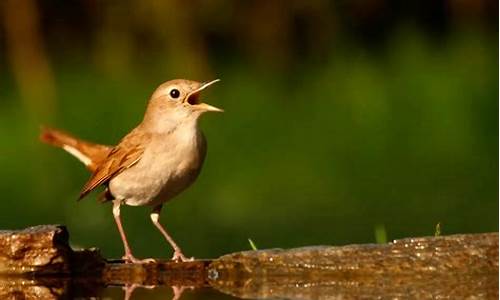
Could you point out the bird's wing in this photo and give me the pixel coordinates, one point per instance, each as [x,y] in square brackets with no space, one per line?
[127,153]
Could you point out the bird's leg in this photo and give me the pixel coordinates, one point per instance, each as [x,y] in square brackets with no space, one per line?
[128,257]
[155,217]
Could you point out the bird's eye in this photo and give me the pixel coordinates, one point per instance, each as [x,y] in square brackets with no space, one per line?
[174,93]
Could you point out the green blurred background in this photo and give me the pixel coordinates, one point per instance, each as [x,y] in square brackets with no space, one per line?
[343,118]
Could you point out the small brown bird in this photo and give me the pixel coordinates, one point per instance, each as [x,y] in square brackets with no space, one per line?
[157,160]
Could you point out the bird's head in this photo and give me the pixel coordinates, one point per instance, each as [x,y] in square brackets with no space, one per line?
[177,101]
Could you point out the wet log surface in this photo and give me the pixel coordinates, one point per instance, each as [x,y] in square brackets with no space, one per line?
[40,248]
[44,250]
[456,267]
[38,262]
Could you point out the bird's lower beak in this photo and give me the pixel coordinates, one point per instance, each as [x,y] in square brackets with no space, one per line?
[193,98]
[208,107]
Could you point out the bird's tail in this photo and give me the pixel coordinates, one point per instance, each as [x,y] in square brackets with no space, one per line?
[89,154]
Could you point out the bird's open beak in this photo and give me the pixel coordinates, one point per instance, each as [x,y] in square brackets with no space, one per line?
[194,100]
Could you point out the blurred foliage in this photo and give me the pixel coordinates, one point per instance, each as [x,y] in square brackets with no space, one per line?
[341,117]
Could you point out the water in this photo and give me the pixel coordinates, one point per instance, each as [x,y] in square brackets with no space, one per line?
[480,287]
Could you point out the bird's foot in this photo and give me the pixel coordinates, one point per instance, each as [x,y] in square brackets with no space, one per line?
[179,257]
[129,258]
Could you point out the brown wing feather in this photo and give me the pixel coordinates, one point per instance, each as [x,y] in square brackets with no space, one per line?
[127,153]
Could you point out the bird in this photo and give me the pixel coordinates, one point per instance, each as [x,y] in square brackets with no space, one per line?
[157,160]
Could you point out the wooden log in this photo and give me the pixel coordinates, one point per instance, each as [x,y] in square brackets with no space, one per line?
[162,272]
[44,250]
[34,249]
[38,261]
[456,267]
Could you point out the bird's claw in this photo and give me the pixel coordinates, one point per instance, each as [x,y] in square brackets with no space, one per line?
[132,260]
[179,257]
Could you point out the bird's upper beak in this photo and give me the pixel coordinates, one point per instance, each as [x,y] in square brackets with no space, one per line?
[194,100]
